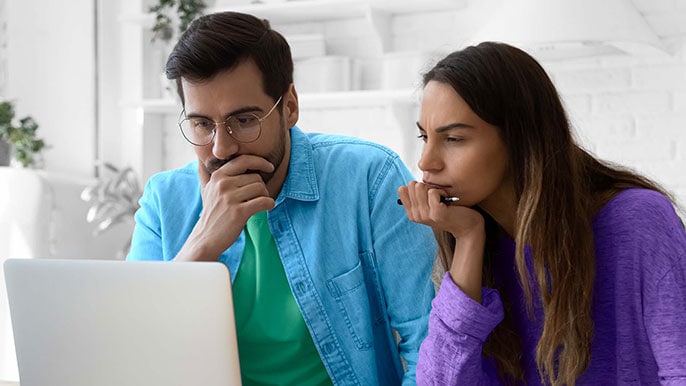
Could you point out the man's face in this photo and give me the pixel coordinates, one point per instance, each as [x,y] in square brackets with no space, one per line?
[235,91]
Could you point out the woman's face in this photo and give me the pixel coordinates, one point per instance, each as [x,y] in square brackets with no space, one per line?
[463,155]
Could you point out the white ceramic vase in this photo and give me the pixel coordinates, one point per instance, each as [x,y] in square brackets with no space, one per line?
[5,153]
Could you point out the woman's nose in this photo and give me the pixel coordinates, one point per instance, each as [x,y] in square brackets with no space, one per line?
[430,159]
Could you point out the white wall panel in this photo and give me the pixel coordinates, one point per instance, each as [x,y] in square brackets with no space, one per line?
[51,76]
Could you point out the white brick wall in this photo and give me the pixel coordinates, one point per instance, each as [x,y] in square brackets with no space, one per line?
[679,100]
[627,110]
[631,100]
[666,76]
[637,113]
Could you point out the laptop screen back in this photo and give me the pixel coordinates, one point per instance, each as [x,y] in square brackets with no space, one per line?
[83,322]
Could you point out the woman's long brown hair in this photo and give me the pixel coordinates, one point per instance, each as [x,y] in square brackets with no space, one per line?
[558,186]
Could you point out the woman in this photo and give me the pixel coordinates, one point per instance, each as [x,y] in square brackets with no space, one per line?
[561,269]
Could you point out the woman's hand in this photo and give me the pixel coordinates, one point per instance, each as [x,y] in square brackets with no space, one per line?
[423,205]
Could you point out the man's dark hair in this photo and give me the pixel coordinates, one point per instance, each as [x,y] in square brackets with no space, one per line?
[217,42]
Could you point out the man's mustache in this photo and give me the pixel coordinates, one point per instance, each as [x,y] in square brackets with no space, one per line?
[216,163]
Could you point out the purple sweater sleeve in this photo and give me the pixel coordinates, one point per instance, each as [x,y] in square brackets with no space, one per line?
[664,296]
[665,315]
[458,326]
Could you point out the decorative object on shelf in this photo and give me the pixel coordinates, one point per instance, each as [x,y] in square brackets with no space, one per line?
[174,14]
[305,46]
[19,137]
[5,153]
[323,74]
[114,200]
[402,69]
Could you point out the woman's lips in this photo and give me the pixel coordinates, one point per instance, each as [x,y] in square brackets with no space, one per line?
[436,186]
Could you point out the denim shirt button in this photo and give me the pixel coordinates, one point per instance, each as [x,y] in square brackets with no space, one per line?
[328,348]
[300,288]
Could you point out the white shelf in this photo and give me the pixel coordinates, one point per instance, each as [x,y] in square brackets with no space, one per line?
[362,98]
[146,20]
[295,11]
[307,10]
[326,100]
[160,106]
[377,12]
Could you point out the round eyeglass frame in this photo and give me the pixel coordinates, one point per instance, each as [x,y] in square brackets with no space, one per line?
[227,127]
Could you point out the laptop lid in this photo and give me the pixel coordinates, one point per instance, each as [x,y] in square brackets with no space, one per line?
[95,322]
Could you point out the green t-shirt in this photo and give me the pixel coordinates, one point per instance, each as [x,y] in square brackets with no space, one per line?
[274,345]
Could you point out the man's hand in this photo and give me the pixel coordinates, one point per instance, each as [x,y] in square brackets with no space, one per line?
[230,195]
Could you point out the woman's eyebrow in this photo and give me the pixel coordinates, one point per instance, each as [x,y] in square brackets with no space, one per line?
[440,129]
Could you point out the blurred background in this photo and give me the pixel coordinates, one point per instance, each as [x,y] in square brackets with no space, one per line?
[90,75]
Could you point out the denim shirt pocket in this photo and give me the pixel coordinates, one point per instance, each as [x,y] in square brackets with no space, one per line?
[350,293]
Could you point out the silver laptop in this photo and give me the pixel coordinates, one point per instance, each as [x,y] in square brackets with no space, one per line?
[102,323]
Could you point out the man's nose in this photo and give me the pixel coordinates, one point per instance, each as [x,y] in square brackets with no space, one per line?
[224,145]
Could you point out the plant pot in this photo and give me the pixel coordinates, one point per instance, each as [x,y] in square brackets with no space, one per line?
[5,153]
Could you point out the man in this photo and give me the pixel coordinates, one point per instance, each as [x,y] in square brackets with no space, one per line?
[325,265]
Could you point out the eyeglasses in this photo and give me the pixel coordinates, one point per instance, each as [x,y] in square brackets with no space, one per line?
[244,127]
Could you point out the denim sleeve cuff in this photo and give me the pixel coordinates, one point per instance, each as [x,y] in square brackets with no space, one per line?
[462,314]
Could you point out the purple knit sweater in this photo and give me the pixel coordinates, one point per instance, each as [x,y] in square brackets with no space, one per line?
[639,306]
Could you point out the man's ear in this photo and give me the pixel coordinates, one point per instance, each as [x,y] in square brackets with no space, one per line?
[291,111]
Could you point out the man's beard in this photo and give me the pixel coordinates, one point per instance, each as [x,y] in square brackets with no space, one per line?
[275,157]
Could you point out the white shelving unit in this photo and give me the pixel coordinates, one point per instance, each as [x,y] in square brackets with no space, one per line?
[324,100]
[144,110]
[376,12]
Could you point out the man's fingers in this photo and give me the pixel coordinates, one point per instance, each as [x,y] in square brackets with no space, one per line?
[203,173]
[239,181]
[250,191]
[245,163]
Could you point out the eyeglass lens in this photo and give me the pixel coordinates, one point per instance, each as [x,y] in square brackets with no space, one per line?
[242,127]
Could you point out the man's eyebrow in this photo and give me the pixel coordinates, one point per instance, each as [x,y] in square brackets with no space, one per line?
[246,109]
[451,126]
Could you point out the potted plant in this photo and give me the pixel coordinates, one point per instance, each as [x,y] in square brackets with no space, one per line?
[171,12]
[114,200]
[172,17]
[21,136]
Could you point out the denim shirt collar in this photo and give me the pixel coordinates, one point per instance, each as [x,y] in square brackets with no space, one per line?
[301,181]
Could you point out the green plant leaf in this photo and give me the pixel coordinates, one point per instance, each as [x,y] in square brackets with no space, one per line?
[22,136]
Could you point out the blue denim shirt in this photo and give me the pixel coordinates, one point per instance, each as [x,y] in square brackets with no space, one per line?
[358,268]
